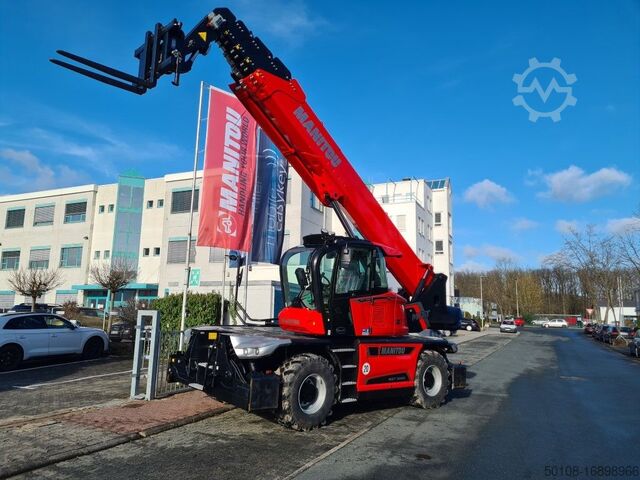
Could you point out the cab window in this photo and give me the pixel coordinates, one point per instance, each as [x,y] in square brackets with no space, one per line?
[354,271]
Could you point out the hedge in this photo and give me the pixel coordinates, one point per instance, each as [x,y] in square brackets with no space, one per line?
[202,309]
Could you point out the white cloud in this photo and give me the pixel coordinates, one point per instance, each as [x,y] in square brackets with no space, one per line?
[575,185]
[567,226]
[493,252]
[290,20]
[522,224]
[623,225]
[487,193]
[24,171]
[472,266]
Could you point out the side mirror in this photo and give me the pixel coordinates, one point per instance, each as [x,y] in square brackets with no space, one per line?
[301,277]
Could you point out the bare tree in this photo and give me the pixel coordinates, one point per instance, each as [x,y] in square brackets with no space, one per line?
[34,282]
[113,276]
[629,246]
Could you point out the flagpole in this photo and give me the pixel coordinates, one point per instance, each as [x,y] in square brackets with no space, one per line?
[187,269]
[247,266]
[224,281]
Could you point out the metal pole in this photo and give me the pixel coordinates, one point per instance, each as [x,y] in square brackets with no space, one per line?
[224,280]
[620,300]
[187,270]
[247,267]
[481,304]
[517,303]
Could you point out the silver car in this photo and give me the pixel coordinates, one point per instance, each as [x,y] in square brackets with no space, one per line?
[28,335]
[508,326]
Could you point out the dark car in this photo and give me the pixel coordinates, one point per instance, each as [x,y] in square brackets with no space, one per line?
[121,331]
[40,307]
[602,331]
[588,328]
[610,335]
[469,324]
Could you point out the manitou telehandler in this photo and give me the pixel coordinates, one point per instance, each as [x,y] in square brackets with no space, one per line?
[342,335]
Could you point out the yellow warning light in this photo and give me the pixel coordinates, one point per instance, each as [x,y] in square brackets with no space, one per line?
[213,335]
[203,36]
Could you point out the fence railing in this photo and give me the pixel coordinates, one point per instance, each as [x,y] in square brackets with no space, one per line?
[151,358]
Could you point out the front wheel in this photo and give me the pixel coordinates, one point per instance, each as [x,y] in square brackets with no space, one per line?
[431,381]
[308,391]
[469,328]
[93,348]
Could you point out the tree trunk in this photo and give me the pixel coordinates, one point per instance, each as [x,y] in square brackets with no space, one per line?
[33,303]
[113,297]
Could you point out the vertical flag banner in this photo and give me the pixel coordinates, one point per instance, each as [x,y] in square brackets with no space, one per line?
[271,202]
[229,172]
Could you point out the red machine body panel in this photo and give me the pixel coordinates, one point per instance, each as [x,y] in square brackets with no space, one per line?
[301,320]
[379,315]
[385,365]
[279,106]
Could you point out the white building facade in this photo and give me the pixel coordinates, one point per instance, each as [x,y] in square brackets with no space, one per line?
[146,222]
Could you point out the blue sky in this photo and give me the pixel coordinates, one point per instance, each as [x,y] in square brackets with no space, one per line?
[420,88]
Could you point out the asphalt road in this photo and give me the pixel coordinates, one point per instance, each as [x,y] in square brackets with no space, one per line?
[43,388]
[541,399]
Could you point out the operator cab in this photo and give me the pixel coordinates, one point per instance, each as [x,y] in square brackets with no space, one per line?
[338,286]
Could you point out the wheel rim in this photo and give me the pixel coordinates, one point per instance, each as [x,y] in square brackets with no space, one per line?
[312,394]
[469,328]
[8,358]
[432,380]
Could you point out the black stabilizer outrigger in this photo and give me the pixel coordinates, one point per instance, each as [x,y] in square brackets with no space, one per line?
[167,50]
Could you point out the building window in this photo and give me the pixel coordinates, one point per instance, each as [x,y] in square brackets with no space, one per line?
[101,209]
[75,212]
[437,218]
[439,247]
[149,203]
[216,255]
[96,255]
[145,252]
[111,207]
[39,258]
[10,260]
[315,203]
[43,215]
[70,257]
[177,251]
[160,202]
[181,201]
[15,218]
[107,254]
[401,222]
[156,252]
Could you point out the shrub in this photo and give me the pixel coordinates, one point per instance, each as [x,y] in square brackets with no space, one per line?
[71,310]
[202,309]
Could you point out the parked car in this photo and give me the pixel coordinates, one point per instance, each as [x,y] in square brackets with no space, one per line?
[29,335]
[610,334]
[519,322]
[556,323]
[633,333]
[634,346]
[508,326]
[469,324]
[539,321]
[625,332]
[596,330]
[602,331]
[121,331]
[588,328]
[40,307]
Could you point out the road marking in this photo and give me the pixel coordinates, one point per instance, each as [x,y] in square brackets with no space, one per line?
[38,385]
[50,366]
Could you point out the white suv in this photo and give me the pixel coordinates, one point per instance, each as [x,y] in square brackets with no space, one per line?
[28,335]
[556,323]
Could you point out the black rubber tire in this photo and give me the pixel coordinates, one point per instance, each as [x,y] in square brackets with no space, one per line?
[93,348]
[421,396]
[10,357]
[294,372]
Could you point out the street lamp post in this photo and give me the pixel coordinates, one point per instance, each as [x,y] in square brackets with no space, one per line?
[481,302]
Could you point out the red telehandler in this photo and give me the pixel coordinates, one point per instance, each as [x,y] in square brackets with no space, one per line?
[343,335]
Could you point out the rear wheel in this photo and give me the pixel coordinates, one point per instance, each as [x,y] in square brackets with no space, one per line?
[10,357]
[431,381]
[93,348]
[308,391]
[469,328]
